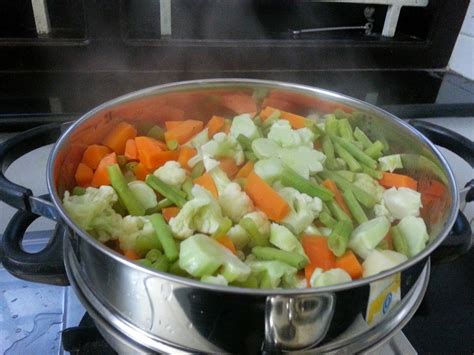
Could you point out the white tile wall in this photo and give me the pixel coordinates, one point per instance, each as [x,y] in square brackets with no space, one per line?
[462,58]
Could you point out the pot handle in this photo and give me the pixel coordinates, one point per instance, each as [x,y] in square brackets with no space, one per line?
[18,196]
[45,266]
[459,241]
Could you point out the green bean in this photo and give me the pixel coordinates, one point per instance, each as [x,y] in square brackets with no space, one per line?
[244,141]
[251,282]
[251,228]
[346,174]
[198,170]
[153,255]
[268,253]
[120,185]
[376,174]
[292,179]
[170,192]
[327,220]
[78,191]
[335,164]
[339,237]
[250,156]
[161,264]
[399,241]
[146,242]
[156,132]
[310,124]
[143,127]
[265,281]
[326,209]
[187,188]
[345,129]
[375,150]
[340,114]
[328,148]
[144,262]
[348,158]
[120,208]
[330,125]
[356,152]
[337,211]
[163,232]
[354,206]
[361,137]
[172,144]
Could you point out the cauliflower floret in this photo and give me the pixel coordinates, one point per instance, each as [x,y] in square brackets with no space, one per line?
[239,236]
[171,173]
[282,134]
[93,212]
[131,227]
[261,221]
[234,202]
[307,136]
[304,160]
[282,238]
[243,124]
[201,214]
[402,202]
[223,146]
[303,209]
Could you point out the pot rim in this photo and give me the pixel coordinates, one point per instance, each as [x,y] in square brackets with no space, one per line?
[304,89]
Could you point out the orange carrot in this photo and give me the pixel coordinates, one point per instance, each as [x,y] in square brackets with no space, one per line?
[319,254]
[239,103]
[349,263]
[186,153]
[131,150]
[83,175]
[141,171]
[227,125]
[118,137]
[229,167]
[157,159]
[184,132]
[94,154]
[170,212]
[266,112]
[208,183]
[131,254]
[431,187]
[331,185]
[245,170]
[101,176]
[151,154]
[172,124]
[227,242]
[398,180]
[265,198]
[215,124]
[296,121]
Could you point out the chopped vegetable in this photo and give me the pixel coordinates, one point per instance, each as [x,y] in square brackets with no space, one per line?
[367,235]
[143,193]
[331,186]
[244,125]
[83,175]
[94,154]
[349,263]
[381,260]
[215,125]
[229,167]
[169,212]
[339,237]
[390,162]
[345,129]
[282,238]
[101,176]
[290,178]
[245,170]
[353,205]
[171,173]
[414,231]
[132,204]
[166,190]
[163,233]
[375,150]
[184,131]
[356,152]
[361,137]
[401,202]
[238,236]
[298,261]
[319,254]
[399,241]
[223,146]
[131,150]
[397,180]
[227,242]
[269,169]
[321,278]
[186,153]
[117,138]
[234,202]
[207,182]
[256,237]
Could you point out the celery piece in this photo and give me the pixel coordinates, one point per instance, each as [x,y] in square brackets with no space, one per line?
[78,191]
[172,144]
[331,125]
[339,237]
[375,150]
[328,147]
[292,179]
[156,132]
[354,206]
[268,253]
[361,137]
[376,174]
[327,220]
[345,129]
[356,152]
[251,228]
[120,185]
[347,157]
[163,232]
[198,170]
[337,211]
[244,141]
[170,192]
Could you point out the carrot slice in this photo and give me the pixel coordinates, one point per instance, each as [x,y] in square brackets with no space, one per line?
[208,183]
[432,187]
[172,124]
[296,121]
[101,176]
[83,175]
[184,132]
[349,263]
[319,254]
[157,159]
[94,154]
[170,212]
[331,185]
[245,170]
[118,137]
[140,171]
[131,150]
[186,153]
[265,198]
[215,124]
[131,254]
[398,180]
[151,154]
[228,166]
[227,242]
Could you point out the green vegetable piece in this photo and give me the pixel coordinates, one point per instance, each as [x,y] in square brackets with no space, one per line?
[161,264]
[368,235]
[356,152]
[187,188]
[354,206]
[339,237]
[371,172]
[375,150]
[326,209]
[122,160]
[340,114]
[337,211]
[198,170]
[310,124]
[145,243]
[252,230]
[143,193]
[175,269]
[143,127]
[224,227]
[347,157]
[120,208]
[164,203]
[345,129]
[172,144]
[265,281]
[165,237]
[144,262]
[346,174]
[390,162]
[153,255]
[123,191]
[335,164]
[292,179]
[268,253]
[251,282]
[327,220]
[170,192]
[131,165]
[156,132]
[328,147]
[78,191]
[331,125]
[361,137]
[244,141]
[129,176]
[250,156]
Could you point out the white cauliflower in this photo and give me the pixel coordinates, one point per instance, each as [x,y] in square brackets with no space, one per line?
[131,227]
[282,134]
[239,236]
[400,203]
[261,221]
[335,276]
[282,238]
[171,173]
[243,124]
[234,202]
[223,146]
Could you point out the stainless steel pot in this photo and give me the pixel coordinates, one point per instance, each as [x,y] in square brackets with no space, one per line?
[157,308]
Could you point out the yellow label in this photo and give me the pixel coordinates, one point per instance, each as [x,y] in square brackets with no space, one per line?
[384,294]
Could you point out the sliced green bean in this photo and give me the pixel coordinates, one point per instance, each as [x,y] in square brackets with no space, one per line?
[251,228]
[187,188]
[328,148]
[376,174]
[170,192]
[268,253]
[335,164]
[292,179]
[120,185]
[340,114]
[337,211]
[250,156]
[144,262]
[153,255]
[345,129]
[375,150]
[354,206]
[339,237]
[146,242]
[327,220]
[356,152]
[346,174]
[244,141]
[361,137]
[172,144]
[163,232]
[347,157]
[399,241]
[198,170]
[331,125]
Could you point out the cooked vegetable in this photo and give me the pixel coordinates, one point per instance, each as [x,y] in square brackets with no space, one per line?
[184,131]
[207,182]
[339,237]
[381,260]
[131,152]
[163,233]
[367,235]
[414,231]
[353,205]
[401,202]
[296,260]
[131,203]
[244,125]
[94,154]
[331,186]
[321,278]
[215,125]
[143,193]
[290,178]
[245,170]
[399,241]
[227,242]
[390,162]
[223,146]
[166,190]
[256,237]
[397,180]
[83,175]
[319,254]
[282,238]
[101,176]
[356,152]
[361,137]
[349,263]
[169,212]
[374,150]
[186,153]
[117,138]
